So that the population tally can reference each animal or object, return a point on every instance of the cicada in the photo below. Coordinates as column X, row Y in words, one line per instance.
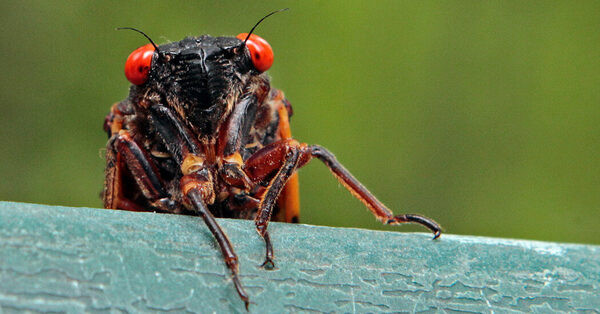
column 203, row 132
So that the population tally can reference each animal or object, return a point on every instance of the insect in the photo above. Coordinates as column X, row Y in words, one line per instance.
column 202, row 132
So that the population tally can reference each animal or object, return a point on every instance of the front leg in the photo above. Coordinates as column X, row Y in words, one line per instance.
column 177, row 138
column 123, row 151
column 198, row 189
column 277, row 161
column 274, row 163
column 231, row 138
column 196, row 182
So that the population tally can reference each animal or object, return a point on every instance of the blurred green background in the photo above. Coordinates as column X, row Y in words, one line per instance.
column 482, row 115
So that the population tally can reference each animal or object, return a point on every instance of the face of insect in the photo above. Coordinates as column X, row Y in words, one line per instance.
column 201, row 78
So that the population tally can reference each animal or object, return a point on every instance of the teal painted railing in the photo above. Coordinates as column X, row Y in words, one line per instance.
column 75, row 260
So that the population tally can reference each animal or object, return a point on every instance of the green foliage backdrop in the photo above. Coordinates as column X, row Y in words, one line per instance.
column 482, row 115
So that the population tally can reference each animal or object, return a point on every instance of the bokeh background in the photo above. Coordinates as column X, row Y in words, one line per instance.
column 482, row 115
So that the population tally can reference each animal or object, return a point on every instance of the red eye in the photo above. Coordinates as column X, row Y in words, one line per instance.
column 260, row 51
column 138, row 64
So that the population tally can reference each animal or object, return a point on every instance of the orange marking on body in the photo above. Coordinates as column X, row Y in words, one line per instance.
column 203, row 185
column 191, row 163
column 234, row 158
column 289, row 199
column 186, row 187
column 284, row 123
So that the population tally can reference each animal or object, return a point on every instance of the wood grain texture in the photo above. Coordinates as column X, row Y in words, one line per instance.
column 74, row 260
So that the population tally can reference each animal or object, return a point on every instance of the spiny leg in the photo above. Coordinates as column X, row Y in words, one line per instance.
column 142, row 169
column 268, row 202
column 196, row 183
column 381, row 212
column 275, row 162
column 196, row 191
column 284, row 157
column 178, row 139
column 124, row 151
column 112, row 195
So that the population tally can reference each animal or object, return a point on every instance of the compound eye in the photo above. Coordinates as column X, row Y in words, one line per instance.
column 260, row 51
column 137, row 67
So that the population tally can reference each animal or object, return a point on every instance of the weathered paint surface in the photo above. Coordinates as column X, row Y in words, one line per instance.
column 93, row 260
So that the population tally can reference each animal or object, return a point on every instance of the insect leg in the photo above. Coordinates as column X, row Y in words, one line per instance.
column 238, row 124
column 268, row 201
column 381, row 212
column 112, row 195
column 123, row 149
column 275, row 162
column 144, row 171
column 196, row 183
column 197, row 188
column 176, row 137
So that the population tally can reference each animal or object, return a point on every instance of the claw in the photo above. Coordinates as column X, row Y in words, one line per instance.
column 424, row 221
column 248, row 302
column 240, row 290
column 268, row 264
column 437, row 234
